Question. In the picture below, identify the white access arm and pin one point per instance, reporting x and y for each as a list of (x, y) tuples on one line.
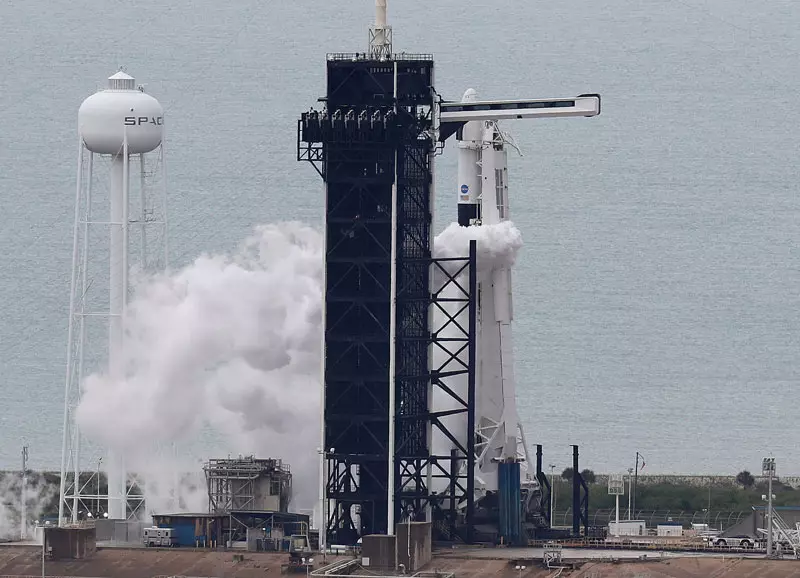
[(458, 112)]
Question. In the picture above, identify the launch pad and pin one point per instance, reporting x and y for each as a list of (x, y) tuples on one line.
[(374, 145), (387, 365), (374, 148)]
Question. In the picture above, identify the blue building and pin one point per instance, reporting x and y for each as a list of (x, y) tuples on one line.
[(203, 530)]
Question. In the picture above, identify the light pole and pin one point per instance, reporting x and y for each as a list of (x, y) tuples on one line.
[(552, 492), (519, 569), (768, 469), (616, 486), (630, 481), (23, 496), (97, 502), (323, 501)]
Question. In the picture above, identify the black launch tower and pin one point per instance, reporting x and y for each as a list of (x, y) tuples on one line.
[(373, 144)]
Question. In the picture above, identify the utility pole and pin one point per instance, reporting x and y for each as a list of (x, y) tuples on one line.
[(768, 469), (23, 507), (635, 480)]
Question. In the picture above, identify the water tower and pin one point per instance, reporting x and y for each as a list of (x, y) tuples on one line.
[(121, 136)]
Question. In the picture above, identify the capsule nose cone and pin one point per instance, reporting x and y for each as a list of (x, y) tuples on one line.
[(470, 95)]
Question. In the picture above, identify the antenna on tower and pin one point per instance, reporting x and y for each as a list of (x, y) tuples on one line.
[(380, 35)]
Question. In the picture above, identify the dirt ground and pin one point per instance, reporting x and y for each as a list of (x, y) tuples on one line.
[(688, 567), (146, 563)]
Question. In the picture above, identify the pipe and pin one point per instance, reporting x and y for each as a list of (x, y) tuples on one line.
[(390, 519)]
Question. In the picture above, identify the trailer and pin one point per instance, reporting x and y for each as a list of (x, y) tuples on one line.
[(156, 537)]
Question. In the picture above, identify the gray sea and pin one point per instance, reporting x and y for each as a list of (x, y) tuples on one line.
[(657, 297)]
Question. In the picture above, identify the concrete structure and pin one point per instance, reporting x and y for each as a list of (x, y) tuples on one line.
[(378, 552), (69, 543), (413, 545), (119, 531), (248, 484), (627, 528)]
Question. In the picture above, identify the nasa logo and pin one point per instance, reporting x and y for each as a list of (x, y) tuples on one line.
[(140, 120), (464, 190)]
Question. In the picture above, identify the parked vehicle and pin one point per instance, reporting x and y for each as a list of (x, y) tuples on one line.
[(159, 537), (733, 541)]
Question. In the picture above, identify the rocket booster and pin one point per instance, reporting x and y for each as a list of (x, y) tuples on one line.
[(483, 201), (470, 142)]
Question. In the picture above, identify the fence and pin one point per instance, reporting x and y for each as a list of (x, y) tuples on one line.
[(601, 517)]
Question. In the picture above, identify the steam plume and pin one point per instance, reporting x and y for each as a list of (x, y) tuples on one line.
[(233, 342), (229, 341)]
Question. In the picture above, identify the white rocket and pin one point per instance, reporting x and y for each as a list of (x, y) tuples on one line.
[(483, 201)]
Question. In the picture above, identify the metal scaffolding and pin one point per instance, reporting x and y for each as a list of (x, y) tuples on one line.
[(244, 483)]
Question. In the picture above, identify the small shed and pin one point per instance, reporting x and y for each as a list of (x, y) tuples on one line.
[(669, 529), (627, 528), (69, 543)]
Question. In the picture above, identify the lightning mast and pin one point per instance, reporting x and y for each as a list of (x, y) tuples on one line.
[(380, 35)]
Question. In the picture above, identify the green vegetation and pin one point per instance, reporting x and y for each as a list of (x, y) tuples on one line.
[(676, 497), (44, 488)]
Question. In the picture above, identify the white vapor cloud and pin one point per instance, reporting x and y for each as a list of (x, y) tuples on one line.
[(234, 342), (229, 341)]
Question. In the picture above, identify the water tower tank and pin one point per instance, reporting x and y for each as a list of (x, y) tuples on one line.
[(107, 116)]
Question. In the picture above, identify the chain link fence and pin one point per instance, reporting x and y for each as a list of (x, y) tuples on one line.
[(601, 517)]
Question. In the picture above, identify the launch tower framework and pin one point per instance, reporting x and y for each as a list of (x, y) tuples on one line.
[(374, 146)]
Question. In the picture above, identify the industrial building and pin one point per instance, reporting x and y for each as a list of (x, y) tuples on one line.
[(248, 484), (236, 529), (248, 501)]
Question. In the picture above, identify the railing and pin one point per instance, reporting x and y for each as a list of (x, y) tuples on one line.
[(644, 544), (367, 56)]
